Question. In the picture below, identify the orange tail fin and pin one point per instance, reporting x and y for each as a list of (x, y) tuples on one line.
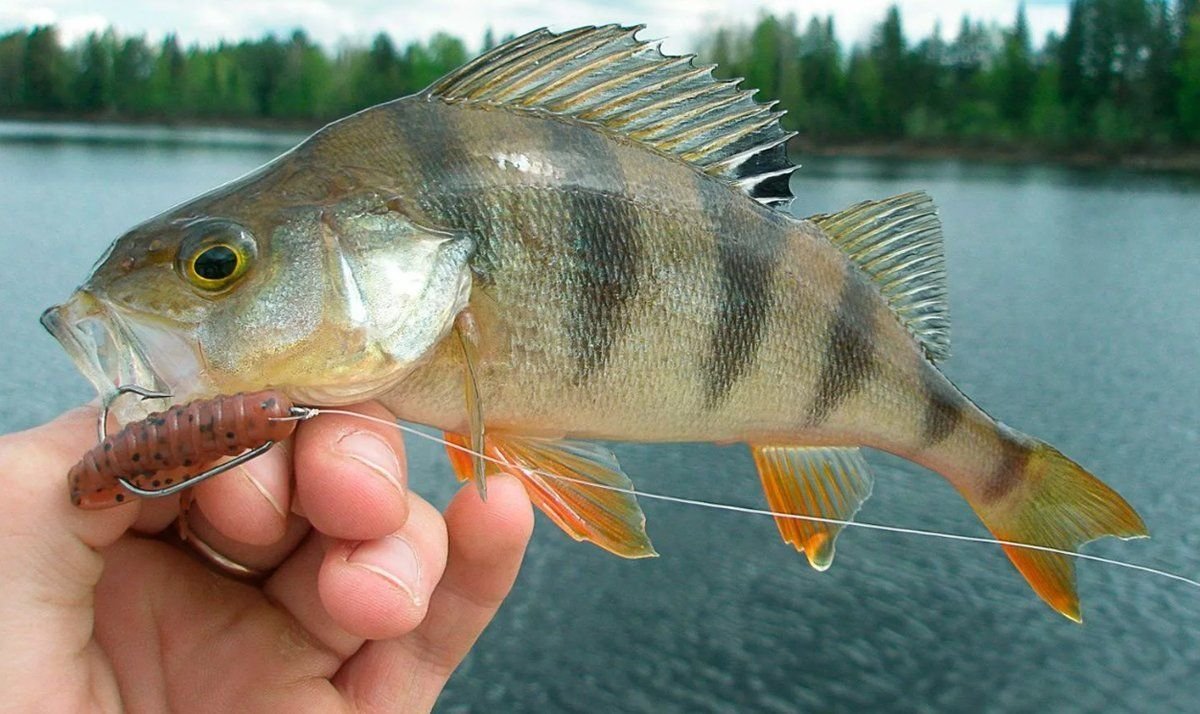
[(1054, 503)]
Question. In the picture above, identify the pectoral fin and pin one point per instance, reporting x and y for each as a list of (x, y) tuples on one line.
[(582, 500), (822, 482), (464, 329), (463, 459)]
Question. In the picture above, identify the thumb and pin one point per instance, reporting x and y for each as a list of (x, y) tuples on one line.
[(48, 559)]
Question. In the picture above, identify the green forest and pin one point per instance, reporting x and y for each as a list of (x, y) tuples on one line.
[(1124, 76)]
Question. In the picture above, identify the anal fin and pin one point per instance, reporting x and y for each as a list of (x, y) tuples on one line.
[(820, 482), (588, 499)]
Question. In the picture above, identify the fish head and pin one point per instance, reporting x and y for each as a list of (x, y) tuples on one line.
[(318, 286)]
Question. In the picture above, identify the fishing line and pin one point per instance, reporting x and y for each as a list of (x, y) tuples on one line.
[(774, 514)]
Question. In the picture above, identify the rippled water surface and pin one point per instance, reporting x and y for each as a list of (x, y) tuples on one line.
[(1076, 316)]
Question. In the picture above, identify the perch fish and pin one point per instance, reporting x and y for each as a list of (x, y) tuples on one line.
[(576, 237)]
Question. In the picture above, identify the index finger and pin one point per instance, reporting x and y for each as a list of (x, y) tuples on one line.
[(351, 481)]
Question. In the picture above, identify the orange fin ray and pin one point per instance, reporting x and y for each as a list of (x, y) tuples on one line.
[(464, 329), (463, 461), (1057, 504), (823, 482), (596, 513)]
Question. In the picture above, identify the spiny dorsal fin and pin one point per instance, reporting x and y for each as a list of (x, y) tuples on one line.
[(898, 243), (605, 76)]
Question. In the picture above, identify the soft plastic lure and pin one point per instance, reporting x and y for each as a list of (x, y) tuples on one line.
[(145, 457)]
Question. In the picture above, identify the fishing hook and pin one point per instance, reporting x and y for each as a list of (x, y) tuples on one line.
[(296, 413), (202, 476), (106, 405)]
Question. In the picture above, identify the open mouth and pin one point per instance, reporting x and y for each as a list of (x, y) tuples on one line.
[(104, 350)]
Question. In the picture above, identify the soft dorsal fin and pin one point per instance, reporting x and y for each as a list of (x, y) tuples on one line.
[(607, 77), (898, 243)]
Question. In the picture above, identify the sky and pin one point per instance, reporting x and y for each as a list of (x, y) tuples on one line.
[(356, 21)]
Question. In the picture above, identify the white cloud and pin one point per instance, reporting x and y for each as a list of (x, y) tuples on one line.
[(330, 21), (26, 16), (76, 27)]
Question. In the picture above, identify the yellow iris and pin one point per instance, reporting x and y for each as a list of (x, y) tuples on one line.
[(216, 266)]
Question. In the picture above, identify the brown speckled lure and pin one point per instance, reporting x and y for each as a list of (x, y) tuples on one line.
[(169, 451)]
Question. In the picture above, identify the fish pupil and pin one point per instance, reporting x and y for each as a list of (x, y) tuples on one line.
[(216, 263)]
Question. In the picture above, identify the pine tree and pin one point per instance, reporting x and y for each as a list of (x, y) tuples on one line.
[(12, 70), (823, 81), (44, 70), (1017, 77), (166, 86), (1161, 85), (132, 68), (300, 90), (773, 65), (927, 82), (1188, 101), (376, 76), (888, 54), (92, 87), (864, 101), (1071, 81)]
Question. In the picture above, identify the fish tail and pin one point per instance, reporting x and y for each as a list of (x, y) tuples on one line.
[(1040, 497)]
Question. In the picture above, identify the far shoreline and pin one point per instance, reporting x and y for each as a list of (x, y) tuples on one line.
[(1175, 160)]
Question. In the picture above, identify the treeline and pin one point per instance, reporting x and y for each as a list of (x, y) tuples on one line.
[(106, 75), (1124, 75)]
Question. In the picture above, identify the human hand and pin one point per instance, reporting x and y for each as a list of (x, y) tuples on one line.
[(372, 598)]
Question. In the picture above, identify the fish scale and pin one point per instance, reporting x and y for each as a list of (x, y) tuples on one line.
[(577, 237)]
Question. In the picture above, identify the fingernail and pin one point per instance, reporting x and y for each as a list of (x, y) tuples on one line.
[(262, 490), (393, 559), (372, 452)]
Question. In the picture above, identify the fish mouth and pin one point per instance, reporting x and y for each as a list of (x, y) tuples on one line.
[(106, 351)]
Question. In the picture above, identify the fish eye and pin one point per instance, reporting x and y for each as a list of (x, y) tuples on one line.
[(216, 262), (214, 255)]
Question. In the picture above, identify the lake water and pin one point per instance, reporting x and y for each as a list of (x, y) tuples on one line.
[(1076, 314)]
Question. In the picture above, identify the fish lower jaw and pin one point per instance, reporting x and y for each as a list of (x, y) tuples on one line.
[(107, 352)]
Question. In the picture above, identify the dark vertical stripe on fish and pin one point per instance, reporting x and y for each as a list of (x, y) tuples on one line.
[(605, 254), (849, 357), (440, 158), (433, 149), (601, 275), (1011, 468), (943, 406), (554, 188), (747, 257)]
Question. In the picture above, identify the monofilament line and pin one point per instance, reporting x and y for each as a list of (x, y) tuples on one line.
[(775, 514)]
